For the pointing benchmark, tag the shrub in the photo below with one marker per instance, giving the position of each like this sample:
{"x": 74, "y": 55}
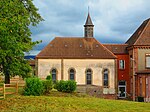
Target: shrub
{"x": 34, "y": 86}
{"x": 49, "y": 77}
{"x": 66, "y": 86}
{"x": 48, "y": 84}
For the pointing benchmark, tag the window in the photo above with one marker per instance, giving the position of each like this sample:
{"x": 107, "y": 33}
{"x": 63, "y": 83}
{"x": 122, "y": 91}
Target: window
{"x": 147, "y": 60}
{"x": 131, "y": 61}
{"x": 72, "y": 74}
{"x": 105, "y": 77}
{"x": 121, "y": 64}
{"x": 131, "y": 86}
{"x": 89, "y": 76}
{"x": 140, "y": 86}
{"x": 54, "y": 73}
{"x": 147, "y": 87}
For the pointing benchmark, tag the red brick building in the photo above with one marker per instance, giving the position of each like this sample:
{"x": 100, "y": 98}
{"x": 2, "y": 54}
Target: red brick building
{"x": 133, "y": 64}
{"x": 123, "y": 81}
{"x": 139, "y": 53}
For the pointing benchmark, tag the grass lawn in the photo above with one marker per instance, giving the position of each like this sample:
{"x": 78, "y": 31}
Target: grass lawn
{"x": 64, "y": 102}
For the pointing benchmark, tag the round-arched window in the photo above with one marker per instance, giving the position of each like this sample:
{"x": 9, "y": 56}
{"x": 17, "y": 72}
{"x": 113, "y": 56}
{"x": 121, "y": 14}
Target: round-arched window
{"x": 72, "y": 74}
{"x": 89, "y": 76}
{"x": 105, "y": 77}
{"x": 54, "y": 73}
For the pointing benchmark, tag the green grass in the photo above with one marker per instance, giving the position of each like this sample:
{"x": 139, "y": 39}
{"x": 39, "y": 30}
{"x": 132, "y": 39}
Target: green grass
{"x": 65, "y": 102}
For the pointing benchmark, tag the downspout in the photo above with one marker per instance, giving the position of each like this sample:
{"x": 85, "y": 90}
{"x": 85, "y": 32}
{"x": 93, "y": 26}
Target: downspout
{"x": 36, "y": 67}
{"x": 116, "y": 78}
{"x": 133, "y": 75}
{"x": 62, "y": 69}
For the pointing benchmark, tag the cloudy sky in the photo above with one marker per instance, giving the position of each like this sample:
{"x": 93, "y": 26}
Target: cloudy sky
{"x": 114, "y": 20}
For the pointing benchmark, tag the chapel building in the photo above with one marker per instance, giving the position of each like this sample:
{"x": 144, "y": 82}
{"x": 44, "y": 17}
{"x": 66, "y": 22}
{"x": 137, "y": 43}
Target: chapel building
{"x": 104, "y": 70}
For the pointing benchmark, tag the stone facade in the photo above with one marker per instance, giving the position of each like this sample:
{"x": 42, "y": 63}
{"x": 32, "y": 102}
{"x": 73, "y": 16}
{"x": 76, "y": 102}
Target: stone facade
{"x": 80, "y": 66}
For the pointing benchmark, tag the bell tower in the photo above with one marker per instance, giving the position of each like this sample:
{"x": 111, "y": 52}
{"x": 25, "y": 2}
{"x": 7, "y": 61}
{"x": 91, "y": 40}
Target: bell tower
{"x": 88, "y": 27}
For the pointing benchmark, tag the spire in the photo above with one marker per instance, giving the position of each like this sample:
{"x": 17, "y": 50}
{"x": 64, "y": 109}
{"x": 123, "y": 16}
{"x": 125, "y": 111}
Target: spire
{"x": 88, "y": 27}
{"x": 88, "y": 20}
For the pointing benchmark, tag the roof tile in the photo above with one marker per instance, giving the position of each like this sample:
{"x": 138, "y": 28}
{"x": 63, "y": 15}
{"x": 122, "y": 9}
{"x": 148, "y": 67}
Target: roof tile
{"x": 141, "y": 35}
{"x": 117, "y": 48}
{"x": 75, "y": 47}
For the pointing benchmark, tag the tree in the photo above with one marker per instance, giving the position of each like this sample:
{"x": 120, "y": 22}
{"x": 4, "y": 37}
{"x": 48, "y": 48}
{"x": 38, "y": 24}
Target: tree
{"x": 15, "y": 18}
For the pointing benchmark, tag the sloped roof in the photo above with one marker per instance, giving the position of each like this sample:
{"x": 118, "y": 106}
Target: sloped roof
{"x": 74, "y": 48}
{"x": 117, "y": 48}
{"x": 88, "y": 21}
{"x": 141, "y": 35}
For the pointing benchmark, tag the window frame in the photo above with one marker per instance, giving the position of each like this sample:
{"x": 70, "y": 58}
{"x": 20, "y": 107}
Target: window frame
{"x": 147, "y": 55}
{"x": 122, "y": 68}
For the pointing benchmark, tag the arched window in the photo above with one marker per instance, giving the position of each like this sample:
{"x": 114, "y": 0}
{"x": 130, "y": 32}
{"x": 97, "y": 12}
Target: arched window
{"x": 72, "y": 74}
{"x": 88, "y": 76}
{"x": 105, "y": 77}
{"x": 54, "y": 73}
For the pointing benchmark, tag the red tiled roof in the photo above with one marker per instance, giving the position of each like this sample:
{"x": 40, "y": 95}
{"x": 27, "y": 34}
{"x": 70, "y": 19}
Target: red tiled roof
{"x": 141, "y": 35}
{"x": 75, "y": 47}
{"x": 117, "y": 48}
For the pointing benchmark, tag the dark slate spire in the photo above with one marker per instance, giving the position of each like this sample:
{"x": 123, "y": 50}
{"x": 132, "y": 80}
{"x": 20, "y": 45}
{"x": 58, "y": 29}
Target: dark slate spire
{"x": 88, "y": 20}
{"x": 88, "y": 27}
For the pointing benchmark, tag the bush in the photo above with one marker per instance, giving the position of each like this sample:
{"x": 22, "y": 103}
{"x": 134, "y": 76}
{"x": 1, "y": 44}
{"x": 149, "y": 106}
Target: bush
{"x": 34, "y": 86}
{"x": 48, "y": 84}
{"x": 49, "y": 77}
{"x": 66, "y": 86}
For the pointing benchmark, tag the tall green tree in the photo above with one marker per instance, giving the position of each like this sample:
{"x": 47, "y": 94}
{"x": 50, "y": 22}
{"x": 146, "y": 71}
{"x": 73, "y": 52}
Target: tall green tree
{"x": 15, "y": 18}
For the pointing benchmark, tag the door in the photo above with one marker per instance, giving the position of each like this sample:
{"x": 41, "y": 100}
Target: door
{"x": 149, "y": 86}
{"x": 122, "y": 89}
{"x": 122, "y": 92}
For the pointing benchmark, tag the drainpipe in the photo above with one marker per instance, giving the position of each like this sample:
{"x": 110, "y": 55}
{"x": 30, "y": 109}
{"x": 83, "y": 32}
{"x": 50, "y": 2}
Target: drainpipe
{"x": 62, "y": 69}
{"x": 116, "y": 78}
{"x": 133, "y": 76}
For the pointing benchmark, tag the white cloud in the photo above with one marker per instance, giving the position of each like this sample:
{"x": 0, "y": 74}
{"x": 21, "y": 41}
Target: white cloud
{"x": 114, "y": 20}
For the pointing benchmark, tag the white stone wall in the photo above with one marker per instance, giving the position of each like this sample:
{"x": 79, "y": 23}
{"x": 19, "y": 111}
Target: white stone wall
{"x": 45, "y": 66}
{"x": 80, "y": 66}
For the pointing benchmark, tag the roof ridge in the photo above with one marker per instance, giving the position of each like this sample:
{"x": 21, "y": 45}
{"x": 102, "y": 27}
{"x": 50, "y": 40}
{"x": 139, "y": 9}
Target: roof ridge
{"x": 143, "y": 30}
